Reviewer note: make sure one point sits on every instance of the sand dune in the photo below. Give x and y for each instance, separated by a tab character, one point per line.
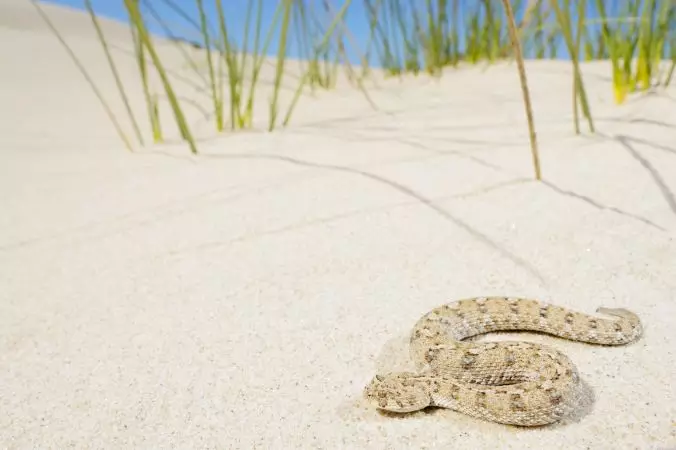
243	298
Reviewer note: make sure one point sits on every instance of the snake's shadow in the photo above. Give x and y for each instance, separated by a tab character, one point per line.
395	357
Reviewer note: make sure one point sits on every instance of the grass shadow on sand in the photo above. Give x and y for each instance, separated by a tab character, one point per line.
486	164
626	142
406	191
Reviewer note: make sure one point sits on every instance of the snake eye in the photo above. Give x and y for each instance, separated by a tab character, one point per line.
380	378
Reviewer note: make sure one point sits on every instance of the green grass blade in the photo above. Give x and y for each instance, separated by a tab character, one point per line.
215	95
113	69
564	22
135	18
281	59
151	101
511	23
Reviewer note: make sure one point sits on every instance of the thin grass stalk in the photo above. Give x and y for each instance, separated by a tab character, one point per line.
410	50
396	64
339	19
155	119
302	34
433	41
393	62
377	36
181	13
511	23
372	16
170	33
151	101
532	7
480	34
473	46
579	87
390	61
176	32
433	44
215	94
455	33
552	43
404	48
532	29
630	42
113	69
136	20
581	11
492	31
670	71
84	73
645	39
660	42
620	82
332	66
259	54
220	76
345	31
587	40
444	27
321	71
334	23
234	78
378	33
541	39
245	40
281	60
294	100
564	23
576	80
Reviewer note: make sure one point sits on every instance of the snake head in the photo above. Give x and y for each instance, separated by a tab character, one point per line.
400	392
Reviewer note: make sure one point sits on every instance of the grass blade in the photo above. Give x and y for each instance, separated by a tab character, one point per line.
84	72
511	23
136	20
113	69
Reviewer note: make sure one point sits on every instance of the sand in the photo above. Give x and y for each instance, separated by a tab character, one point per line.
244	297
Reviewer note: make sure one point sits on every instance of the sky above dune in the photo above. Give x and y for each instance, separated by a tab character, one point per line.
356	20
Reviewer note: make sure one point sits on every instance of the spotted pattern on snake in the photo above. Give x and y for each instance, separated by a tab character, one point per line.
509	382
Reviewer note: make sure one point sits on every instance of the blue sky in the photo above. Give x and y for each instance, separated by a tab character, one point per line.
235	11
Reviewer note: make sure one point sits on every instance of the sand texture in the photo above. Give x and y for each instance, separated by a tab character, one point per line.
244	297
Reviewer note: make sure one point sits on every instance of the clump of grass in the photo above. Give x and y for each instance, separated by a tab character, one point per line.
407	37
412	36
427	35
244	67
640	33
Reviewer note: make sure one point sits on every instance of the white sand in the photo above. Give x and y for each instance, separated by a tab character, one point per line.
243	298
